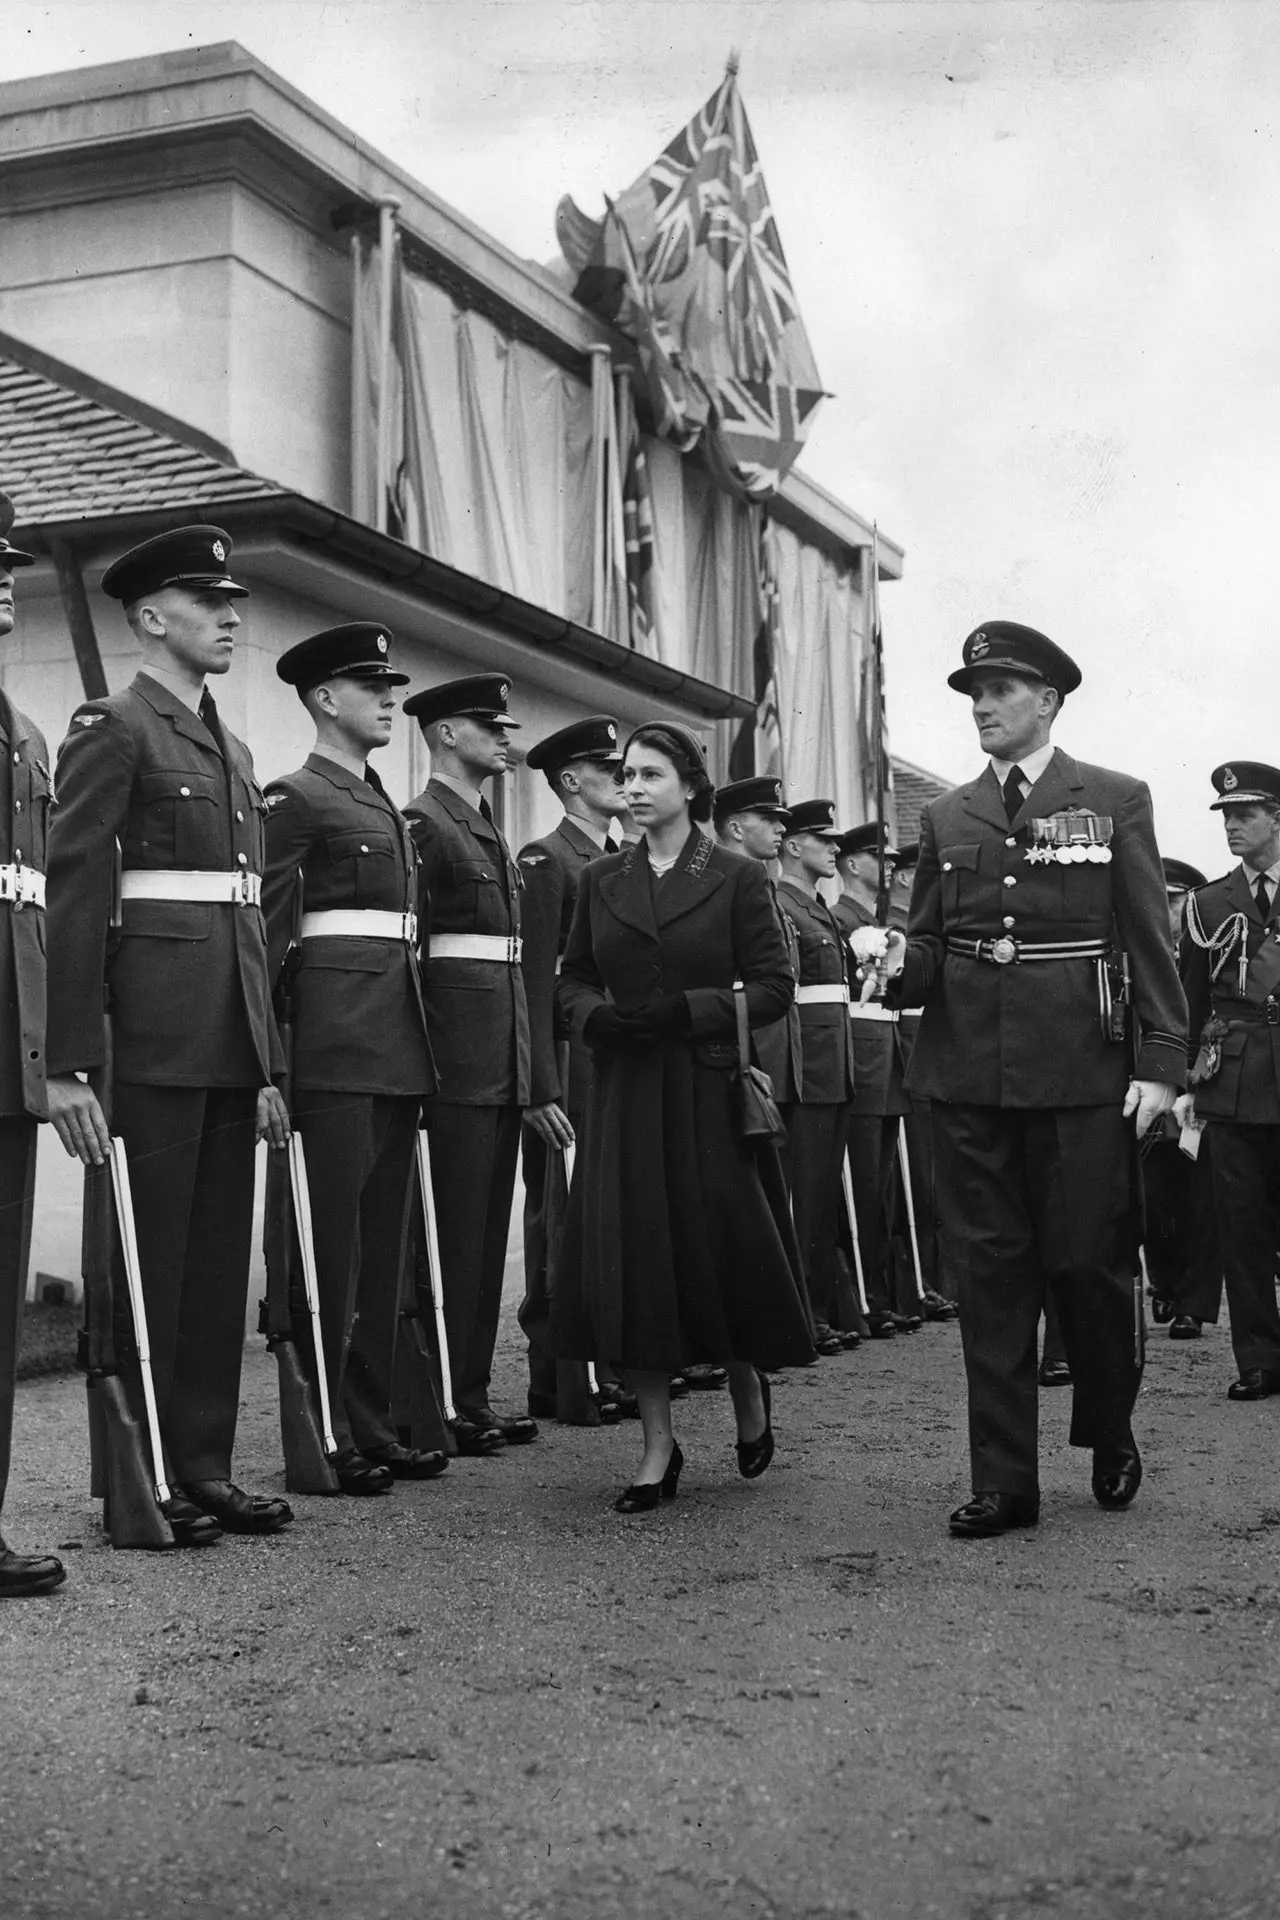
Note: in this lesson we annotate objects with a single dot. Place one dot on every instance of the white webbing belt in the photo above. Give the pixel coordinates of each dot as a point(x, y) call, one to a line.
point(226, 889)
point(821, 996)
point(21, 886)
point(503, 948)
point(359, 923)
point(868, 1011)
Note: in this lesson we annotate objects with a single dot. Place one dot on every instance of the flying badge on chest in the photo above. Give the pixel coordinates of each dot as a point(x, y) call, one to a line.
point(1073, 838)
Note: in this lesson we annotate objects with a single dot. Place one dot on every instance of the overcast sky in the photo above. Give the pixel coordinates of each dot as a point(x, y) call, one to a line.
point(1036, 249)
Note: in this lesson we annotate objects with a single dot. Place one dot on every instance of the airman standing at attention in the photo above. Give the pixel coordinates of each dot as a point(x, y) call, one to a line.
point(153, 776)
point(478, 1022)
point(879, 1100)
point(1053, 1036)
point(816, 1147)
point(25, 793)
point(340, 898)
point(750, 819)
point(581, 764)
point(1231, 966)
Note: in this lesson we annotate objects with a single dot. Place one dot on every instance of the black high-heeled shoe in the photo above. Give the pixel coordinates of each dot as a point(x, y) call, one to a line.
point(642, 1498)
point(755, 1455)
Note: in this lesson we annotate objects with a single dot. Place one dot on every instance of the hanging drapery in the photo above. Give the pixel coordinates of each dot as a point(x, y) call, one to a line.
point(819, 648)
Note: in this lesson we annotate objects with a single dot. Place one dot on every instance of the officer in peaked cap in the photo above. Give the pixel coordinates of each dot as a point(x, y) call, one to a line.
point(1231, 969)
point(25, 790)
point(817, 1136)
point(340, 898)
point(154, 771)
point(1034, 880)
point(478, 1019)
point(879, 1101)
point(580, 763)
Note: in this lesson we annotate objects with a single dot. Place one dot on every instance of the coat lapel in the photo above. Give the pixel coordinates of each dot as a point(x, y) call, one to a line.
point(984, 799)
point(1242, 898)
point(1055, 789)
point(467, 816)
point(691, 881)
point(626, 891)
point(580, 844)
point(183, 720)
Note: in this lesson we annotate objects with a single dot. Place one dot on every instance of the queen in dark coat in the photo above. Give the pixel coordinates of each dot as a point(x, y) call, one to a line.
point(678, 1247)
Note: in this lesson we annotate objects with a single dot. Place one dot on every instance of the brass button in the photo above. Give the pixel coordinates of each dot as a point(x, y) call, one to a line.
point(946, 866)
point(1010, 880)
point(1007, 921)
point(17, 806)
point(243, 858)
point(1011, 842)
point(185, 792)
point(363, 848)
point(17, 853)
point(239, 815)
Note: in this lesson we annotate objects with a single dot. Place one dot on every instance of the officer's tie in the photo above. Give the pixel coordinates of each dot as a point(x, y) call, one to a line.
point(1013, 793)
point(610, 844)
point(1262, 895)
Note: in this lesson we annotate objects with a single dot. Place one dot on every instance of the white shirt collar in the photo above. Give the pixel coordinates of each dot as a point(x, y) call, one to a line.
point(472, 795)
point(1032, 764)
point(1272, 875)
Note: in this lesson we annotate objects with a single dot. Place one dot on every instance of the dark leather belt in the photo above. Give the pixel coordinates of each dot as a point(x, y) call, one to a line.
point(1005, 951)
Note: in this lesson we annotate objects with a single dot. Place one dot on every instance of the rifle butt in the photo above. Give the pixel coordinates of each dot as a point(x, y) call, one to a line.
point(130, 1513)
point(418, 1396)
point(307, 1467)
point(575, 1402)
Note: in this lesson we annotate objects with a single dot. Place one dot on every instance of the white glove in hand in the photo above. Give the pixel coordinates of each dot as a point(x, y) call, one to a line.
point(868, 943)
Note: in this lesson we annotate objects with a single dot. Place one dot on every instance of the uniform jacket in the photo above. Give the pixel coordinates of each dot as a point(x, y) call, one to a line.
point(188, 981)
point(1029, 1034)
point(551, 869)
point(477, 1015)
point(779, 1047)
point(877, 1046)
point(827, 1072)
point(25, 790)
point(336, 841)
point(1246, 1086)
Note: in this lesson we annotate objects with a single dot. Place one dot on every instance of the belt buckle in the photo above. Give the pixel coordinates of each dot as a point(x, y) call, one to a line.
point(28, 889)
point(1004, 950)
point(411, 928)
point(9, 883)
point(244, 892)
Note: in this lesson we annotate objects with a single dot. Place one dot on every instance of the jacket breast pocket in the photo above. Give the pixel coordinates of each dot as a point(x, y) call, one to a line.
point(957, 866)
point(362, 864)
point(179, 817)
point(469, 879)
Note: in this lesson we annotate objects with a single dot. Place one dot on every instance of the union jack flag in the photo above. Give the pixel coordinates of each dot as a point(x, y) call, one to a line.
point(706, 277)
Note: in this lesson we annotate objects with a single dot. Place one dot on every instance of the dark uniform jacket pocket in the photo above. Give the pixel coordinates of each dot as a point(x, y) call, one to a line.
point(178, 818)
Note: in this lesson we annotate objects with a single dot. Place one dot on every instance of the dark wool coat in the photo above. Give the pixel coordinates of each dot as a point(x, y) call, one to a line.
point(1029, 1034)
point(335, 842)
point(188, 980)
point(25, 789)
point(1246, 1086)
point(679, 1246)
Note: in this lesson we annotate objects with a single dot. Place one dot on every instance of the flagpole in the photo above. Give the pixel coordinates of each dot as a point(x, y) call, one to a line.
point(881, 768)
point(388, 208)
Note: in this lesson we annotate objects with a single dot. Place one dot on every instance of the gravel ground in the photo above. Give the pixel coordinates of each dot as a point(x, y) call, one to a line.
point(491, 1696)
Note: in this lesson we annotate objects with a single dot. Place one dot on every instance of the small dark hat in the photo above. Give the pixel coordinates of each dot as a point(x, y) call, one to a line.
point(483, 696)
point(11, 556)
point(362, 649)
point(813, 816)
point(1243, 783)
point(1180, 876)
point(761, 794)
point(187, 557)
point(1015, 649)
point(865, 839)
point(593, 739)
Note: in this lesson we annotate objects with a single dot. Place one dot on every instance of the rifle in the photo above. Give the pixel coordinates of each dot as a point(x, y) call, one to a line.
point(131, 1487)
point(435, 1278)
point(307, 1442)
point(846, 1177)
point(908, 1194)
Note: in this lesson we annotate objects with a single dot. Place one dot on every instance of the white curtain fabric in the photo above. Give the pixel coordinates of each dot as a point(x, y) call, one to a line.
point(820, 650)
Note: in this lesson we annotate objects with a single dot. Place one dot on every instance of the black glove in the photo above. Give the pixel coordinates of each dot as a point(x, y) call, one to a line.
point(610, 1029)
point(665, 1018)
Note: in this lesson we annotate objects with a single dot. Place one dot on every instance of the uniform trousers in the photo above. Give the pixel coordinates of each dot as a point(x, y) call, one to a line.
point(1246, 1190)
point(1184, 1263)
point(17, 1191)
point(873, 1150)
point(812, 1164)
point(191, 1163)
point(360, 1151)
point(1034, 1199)
point(473, 1170)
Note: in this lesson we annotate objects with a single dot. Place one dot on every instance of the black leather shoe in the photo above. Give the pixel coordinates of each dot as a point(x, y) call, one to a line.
point(908, 1322)
point(362, 1477)
point(477, 1443)
point(881, 1326)
point(515, 1429)
point(754, 1455)
point(1257, 1384)
point(1185, 1326)
point(236, 1511)
point(615, 1403)
point(849, 1338)
point(189, 1524)
point(938, 1308)
point(677, 1387)
point(644, 1496)
point(23, 1575)
point(989, 1514)
point(827, 1341)
point(706, 1377)
point(1117, 1473)
point(1054, 1373)
point(1162, 1310)
point(408, 1463)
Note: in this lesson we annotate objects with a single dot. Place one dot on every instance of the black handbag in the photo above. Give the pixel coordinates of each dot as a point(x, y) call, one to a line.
point(755, 1111)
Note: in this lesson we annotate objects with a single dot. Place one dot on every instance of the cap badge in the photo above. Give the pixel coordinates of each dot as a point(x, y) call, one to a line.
point(219, 552)
point(777, 792)
point(979, 646)
point(1229, 781)
point(382, 643)
point(613, 731)
point(504, 690)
